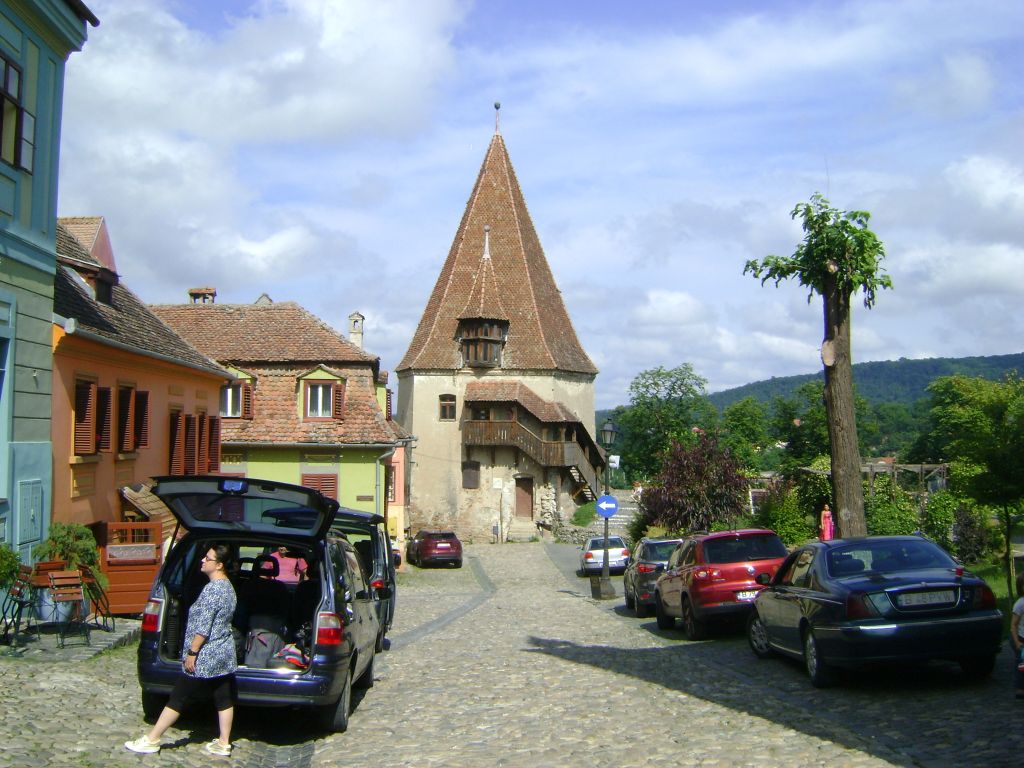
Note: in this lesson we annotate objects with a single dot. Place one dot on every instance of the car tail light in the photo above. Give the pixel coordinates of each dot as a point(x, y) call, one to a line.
point(329, 629)
point(377, 583)
point(703, 574)
point(588, 556)
point(858, 606)
point(984, 597)
point(646, 568)
point(151, 616)
point(625, 553)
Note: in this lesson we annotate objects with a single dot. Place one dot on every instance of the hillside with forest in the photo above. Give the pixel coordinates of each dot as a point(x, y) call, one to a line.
point(892, 381)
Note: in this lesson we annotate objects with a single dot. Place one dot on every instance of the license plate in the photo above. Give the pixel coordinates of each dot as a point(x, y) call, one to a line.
point(749, 594)
point(444, 545)
point(925, 598)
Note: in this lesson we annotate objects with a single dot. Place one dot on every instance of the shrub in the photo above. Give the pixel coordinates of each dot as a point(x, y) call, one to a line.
point(891, 511)
point(782, 513)
point(10, 561)
point(938, 518)
point(971, 538)
point(585, 514)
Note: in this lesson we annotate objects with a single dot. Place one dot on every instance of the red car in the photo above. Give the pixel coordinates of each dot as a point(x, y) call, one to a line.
point(713, 576)
point(434, 547)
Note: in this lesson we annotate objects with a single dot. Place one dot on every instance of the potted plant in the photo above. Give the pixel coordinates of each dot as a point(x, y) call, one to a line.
point(10, 561)
point(75, 545)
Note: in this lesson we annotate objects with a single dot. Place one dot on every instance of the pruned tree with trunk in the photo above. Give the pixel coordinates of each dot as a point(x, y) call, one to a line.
point(838, 256)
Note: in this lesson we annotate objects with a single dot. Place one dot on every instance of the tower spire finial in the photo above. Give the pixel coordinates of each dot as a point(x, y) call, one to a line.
point(487, 241)
point(497, 116)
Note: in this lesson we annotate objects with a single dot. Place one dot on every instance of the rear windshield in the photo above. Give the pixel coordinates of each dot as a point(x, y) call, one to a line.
point(442, 535)
point(659, 550)
point(887, 555)
point(759, 546)
point(614, 542)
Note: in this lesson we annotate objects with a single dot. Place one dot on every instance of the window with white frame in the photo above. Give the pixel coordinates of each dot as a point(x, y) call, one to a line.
point(318, 400)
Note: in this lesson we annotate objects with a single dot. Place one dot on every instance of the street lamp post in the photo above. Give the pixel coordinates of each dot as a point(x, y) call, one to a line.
point(608, 433)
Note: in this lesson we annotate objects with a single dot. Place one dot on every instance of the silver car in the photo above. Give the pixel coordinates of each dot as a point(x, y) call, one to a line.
point(592, 554)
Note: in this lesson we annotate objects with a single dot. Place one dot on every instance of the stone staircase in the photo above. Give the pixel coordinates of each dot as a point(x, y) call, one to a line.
point(618, 523)
point(521, 529)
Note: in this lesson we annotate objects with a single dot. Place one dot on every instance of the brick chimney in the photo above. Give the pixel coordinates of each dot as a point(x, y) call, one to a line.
point(203, 295)
point(355, 329)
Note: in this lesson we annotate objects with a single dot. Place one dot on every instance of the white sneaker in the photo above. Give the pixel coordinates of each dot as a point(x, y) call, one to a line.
point(216, 748)
point(143, 745)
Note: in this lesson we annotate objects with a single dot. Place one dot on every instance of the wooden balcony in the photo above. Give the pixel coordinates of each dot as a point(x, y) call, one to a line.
point(547, 453)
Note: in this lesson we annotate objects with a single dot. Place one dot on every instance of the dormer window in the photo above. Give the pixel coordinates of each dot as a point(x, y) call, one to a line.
point(324, 399)
point(482, 341)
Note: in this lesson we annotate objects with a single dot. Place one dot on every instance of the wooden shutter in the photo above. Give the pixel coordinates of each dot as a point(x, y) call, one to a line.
point(142, 419)
point(85, 418)
point(177, 447)
point(214, 448)
point(326, 484)
point(338, 400)
point(104, 419)
point(191, 445)
point(125, 419)
point(202, 444)
point(246, 391)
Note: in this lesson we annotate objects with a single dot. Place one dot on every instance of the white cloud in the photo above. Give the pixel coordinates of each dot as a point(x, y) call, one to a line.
point(990, 182)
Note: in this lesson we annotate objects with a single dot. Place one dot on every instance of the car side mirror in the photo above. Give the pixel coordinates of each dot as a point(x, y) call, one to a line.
point(362, 594)
point(764, 579)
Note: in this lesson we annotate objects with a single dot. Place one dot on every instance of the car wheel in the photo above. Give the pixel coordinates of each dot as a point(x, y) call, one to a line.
point(978, 667)
point(365, 680)
point(630, 598)
point(458, 563)
point(757, 636)
point(693, 627)
point(334, 717)
point(152, 705)
point(664, 620)
point(642, 609)
point(820, 673)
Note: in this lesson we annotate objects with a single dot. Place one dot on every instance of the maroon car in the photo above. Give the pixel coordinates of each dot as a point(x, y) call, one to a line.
point(713, 577)
point(428, 547)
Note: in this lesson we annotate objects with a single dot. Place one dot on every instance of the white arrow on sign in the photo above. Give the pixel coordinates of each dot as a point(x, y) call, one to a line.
point(608, 505)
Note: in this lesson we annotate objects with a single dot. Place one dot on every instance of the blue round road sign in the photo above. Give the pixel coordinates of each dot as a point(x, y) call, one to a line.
point(607, 506)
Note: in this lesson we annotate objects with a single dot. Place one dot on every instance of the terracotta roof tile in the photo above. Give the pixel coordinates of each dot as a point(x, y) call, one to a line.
point(516, 392)
point(260, 333)
point(540, 335)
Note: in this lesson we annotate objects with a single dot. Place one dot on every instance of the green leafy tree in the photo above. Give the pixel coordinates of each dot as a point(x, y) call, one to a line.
point(891, 511)
point(665, 405)
point(839, 256)
point(801, 424)
point(700, 484)
point(745, 432)
point(783, 512)
point(981, 422)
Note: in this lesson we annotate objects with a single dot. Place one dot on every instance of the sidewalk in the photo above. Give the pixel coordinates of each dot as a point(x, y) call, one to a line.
point(44, 646)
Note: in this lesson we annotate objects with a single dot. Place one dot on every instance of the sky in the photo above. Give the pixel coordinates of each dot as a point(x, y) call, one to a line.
point(323, 151)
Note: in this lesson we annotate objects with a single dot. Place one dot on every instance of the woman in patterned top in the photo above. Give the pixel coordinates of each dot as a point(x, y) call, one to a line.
point(208, 657)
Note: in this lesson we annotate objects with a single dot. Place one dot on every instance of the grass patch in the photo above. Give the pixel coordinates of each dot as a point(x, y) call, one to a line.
point(585, 514)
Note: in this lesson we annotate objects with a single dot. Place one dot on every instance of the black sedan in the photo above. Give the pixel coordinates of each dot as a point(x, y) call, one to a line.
point(851, 602)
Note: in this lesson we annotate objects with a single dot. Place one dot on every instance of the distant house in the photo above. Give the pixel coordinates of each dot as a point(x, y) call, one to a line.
point(495, 386)
point(36, 38)
point(307, 406)
point(131, 398)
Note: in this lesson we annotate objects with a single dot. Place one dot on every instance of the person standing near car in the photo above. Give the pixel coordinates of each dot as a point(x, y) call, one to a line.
point(208, 658)
point(826, 527)
point(291, 569)
point(1017, 637)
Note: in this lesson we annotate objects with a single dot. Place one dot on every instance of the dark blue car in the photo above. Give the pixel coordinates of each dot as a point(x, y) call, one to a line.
point(878, 599)
point(323, 625)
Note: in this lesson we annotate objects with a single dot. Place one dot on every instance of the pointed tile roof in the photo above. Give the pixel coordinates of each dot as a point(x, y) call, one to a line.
point(540, 335)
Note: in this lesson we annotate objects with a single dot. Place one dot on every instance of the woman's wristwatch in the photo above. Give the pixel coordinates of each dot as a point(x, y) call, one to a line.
point(190, 652)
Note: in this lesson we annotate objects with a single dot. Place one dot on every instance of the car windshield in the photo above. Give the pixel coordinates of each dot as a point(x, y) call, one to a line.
point(659, 550)
point(887, 555)
point(442, 535)
point(614, 542)
point(741, 549)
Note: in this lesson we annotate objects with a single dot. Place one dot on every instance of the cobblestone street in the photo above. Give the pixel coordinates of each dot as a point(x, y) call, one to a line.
point(509, 662)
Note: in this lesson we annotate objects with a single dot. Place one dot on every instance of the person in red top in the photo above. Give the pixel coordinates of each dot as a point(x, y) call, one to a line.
point(292, 570)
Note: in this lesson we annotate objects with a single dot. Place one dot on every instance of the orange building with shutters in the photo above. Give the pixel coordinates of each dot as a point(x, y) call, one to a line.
point(131, 399)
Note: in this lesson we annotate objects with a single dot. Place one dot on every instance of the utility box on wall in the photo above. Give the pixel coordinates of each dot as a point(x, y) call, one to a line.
point(130, 558)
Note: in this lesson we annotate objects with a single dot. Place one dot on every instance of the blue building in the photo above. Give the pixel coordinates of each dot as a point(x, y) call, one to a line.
point(36, 38)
